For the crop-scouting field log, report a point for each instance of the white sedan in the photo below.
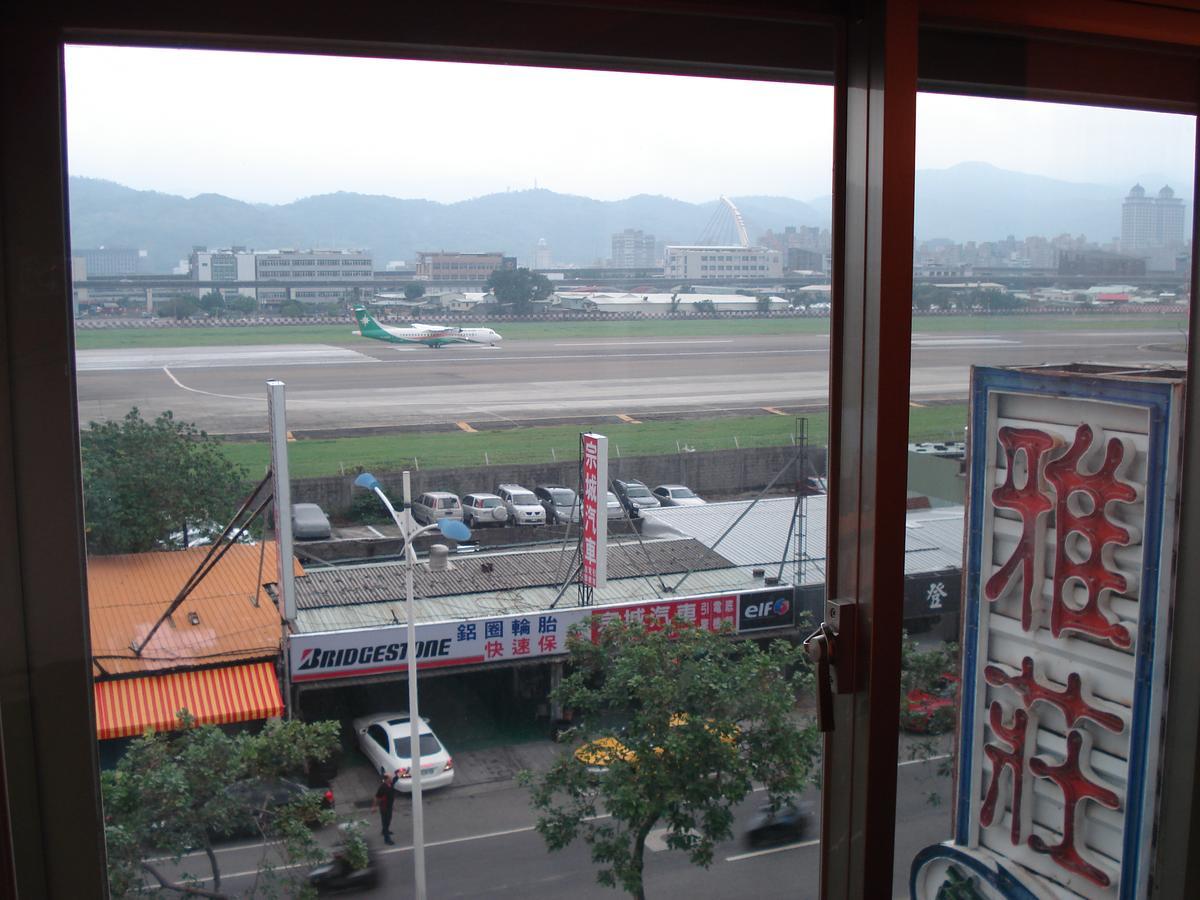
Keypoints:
(385, 740)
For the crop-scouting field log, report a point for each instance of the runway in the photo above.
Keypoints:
(363, 384)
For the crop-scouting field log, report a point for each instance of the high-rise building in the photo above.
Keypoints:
(234, 264)
(541, 255)
(112, 260)
(633, 249)
(298, 268)
(722, 263)
(1153, 227)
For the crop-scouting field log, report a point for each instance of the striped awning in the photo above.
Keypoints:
(130, 706)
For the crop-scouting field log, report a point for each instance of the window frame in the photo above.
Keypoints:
(47, 734)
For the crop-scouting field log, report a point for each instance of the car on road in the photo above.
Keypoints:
(634, 496)
(483, 509)
(676, 495)
(523, 507)
(385, 740)
(309, 522)
(559, 502)
(433, 506)
(263, 798)
(790, 823)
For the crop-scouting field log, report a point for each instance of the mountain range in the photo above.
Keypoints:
(969, 201)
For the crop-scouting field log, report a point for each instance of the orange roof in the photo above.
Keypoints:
(212, 696)
(127, 594)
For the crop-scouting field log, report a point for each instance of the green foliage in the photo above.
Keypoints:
(171, 794)
(413, 290)
(367, 509)
(179, 308)
(706, 717)
(242, 305)
(293, 308)
(705, 307)
(925, 671)
(146, 483)
(519, 289)
(763, 301)
(213, 303)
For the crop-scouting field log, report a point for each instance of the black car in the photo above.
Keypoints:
(634, 496)
(261, 798)
(790, 823)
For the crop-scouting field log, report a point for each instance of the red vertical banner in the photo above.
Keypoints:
(594, 491)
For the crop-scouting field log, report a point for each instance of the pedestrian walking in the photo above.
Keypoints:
(385, 800)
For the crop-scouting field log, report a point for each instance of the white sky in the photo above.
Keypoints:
(272, 128)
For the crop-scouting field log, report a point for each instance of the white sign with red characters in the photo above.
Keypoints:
(595, 510)
(1068, 593)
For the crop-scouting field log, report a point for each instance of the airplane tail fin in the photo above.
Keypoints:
(367, 325)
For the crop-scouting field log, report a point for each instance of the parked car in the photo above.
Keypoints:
(676, 495)
(930, 711)
(615, 509)
(523, 507)
(264, 797)
(788, 824)
(433, 506)
(309, 522)
(559, 502)
(483, 509)
(385, 740)
(634, 496)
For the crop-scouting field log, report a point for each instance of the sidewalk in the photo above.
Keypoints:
(355, 784)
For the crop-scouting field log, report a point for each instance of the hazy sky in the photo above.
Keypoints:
(273, 128)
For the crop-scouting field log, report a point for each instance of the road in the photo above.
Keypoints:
(363, 384)
(480, 842)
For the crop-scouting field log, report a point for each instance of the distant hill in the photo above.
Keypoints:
(971, 201)
(577, 229)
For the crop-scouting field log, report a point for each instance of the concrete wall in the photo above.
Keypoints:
(717, 473)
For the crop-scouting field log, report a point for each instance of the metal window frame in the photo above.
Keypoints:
(46, 729)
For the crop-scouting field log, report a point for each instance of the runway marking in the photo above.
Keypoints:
(959, 342)
(641, 343)
(577, 356)
(290, 436)
(630, 419)
(916, 404)
(755, 853)
(773, 411)
(179, 383)
(465, 427)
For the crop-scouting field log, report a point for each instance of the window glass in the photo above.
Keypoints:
(1058, 237)
(535, 280)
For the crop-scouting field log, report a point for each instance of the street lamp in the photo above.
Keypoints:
(457, 531)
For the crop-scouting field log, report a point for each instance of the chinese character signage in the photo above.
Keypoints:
(512, 638)
(1067, 597)
(595, 510)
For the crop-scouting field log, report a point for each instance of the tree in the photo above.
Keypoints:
(145, 484)
(174, 793)
(242, 305)
(519, 289)
(213, 303)
(413, 290)
(705, 307)
(706, 717)
(179, 308)
(763, 301)
(292, 308)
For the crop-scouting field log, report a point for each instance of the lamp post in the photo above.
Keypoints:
(457, 531)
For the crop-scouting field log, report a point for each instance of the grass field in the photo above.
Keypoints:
(442, 450)
(117, 338)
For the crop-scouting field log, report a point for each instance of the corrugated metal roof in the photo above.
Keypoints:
(934, 536)
(510, 571)
(127, 594)
(532, 599)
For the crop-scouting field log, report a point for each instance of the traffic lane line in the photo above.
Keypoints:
(769, 850)
(527, 828)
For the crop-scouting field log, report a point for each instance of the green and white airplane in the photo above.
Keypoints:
(432, 336)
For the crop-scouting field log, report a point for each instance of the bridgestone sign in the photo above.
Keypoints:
(499, 639)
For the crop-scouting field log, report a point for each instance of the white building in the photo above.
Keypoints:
(721, 263)
(232, 264)
(297, 268)
(595, 301)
